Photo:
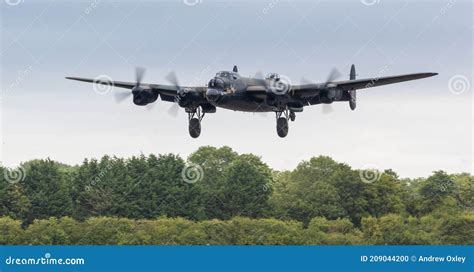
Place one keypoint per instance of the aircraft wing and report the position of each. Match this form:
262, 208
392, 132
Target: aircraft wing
308, 90
167, 92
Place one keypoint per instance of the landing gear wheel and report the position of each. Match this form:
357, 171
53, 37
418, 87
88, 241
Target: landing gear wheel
194, 127
282, 127
292, 116
352, 104
195, 116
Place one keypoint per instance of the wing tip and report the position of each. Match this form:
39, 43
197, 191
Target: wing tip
424, 75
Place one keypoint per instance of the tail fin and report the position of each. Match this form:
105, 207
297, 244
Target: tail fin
352, 93
352, 75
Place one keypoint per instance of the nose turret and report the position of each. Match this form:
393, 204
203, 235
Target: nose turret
217, 83
214, 94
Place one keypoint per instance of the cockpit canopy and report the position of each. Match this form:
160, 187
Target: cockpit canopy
272, 76
227, 74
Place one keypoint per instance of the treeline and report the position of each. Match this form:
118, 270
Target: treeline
388, 229
218, 183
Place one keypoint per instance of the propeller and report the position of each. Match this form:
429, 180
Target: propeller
333, 75
122, 96
327, 108
174, 110
173, 80
139, 73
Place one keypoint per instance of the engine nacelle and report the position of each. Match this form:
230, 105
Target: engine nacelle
189, 98
142, 97
331, 95
208, 108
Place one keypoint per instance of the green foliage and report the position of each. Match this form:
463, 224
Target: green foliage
333, 232
265, 232
310, 191
437, 192
46, 232
11, 232
232, 185
388, 229
45, 187
394, 229
237, 199
459, 229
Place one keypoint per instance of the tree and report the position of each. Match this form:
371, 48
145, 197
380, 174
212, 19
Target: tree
247, 188
310, 191
438, 191
45, 187
321, 231
384, 196
169, 191
458, 229
11, 232
213, 162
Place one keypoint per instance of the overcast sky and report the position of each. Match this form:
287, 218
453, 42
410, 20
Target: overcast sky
414, 127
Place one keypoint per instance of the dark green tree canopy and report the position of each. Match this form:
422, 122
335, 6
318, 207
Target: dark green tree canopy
228, 185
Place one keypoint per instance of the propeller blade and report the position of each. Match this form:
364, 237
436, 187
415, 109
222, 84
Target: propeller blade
333, 75
174, 110
327, 108
173, 79
150, 106
139, 73
121, 96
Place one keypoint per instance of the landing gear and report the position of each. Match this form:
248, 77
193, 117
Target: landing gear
353, 99
195, 116
282, 118
194, 127
282, 127
292, 116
